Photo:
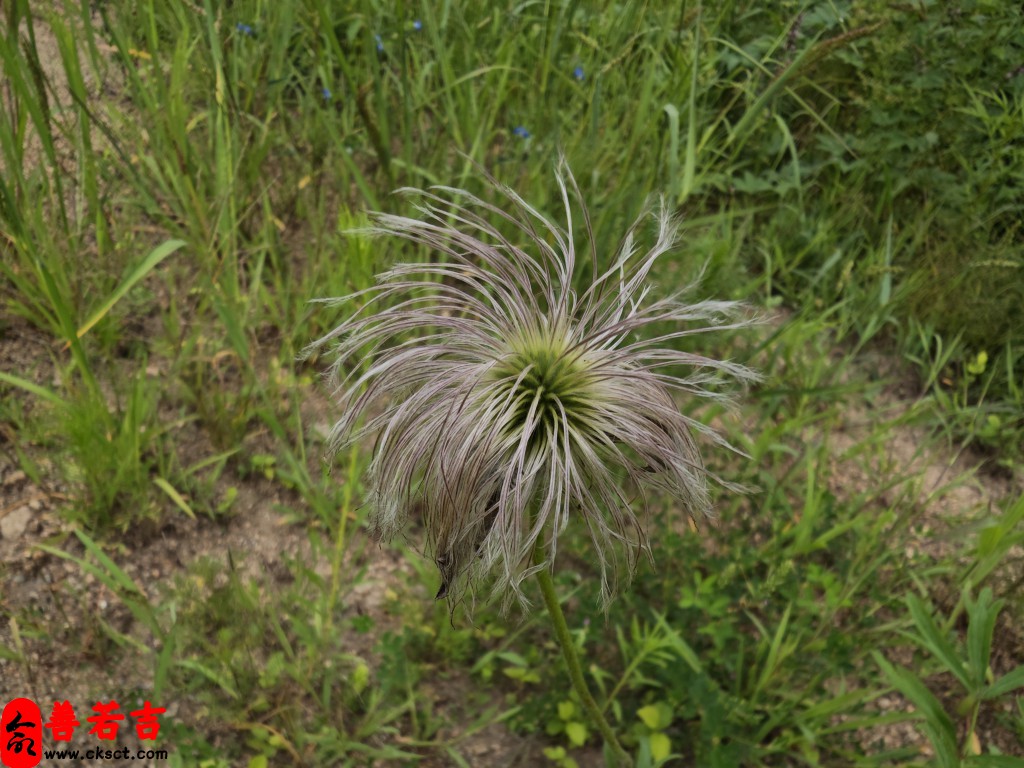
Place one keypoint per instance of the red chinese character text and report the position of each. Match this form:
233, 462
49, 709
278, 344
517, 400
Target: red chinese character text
105, 723
146, 724
62, 722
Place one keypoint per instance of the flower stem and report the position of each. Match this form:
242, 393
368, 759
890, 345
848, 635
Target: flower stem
547, 588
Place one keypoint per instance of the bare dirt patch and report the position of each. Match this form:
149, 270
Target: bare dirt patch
945, 490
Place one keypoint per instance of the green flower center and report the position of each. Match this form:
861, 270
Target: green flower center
545, 371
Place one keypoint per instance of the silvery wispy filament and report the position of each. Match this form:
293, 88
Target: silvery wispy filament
516, 398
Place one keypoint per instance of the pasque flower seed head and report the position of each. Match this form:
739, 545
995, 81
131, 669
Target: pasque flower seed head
517, 398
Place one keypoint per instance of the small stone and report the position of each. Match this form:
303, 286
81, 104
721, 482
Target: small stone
14, 477
13, 524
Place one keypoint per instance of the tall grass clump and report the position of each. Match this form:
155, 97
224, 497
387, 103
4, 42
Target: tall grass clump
518, 404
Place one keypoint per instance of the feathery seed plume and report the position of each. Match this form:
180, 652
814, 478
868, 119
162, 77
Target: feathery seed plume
517, 400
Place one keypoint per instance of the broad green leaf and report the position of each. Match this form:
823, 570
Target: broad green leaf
566, 709
650, 716
657, 716
523, 675
515, 659
661, 746
577, 733
360, 677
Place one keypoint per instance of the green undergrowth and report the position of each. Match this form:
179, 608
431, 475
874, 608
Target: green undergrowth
176, 184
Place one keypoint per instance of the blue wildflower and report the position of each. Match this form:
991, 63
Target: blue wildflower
326, 93
417, 25
521, 132
578, 73
245, 29
380, 43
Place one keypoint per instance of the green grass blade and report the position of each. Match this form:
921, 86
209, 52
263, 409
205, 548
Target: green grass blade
994, 761
110, 574
176, 497
1011, 681
982, 616
221, 681
674, 182
690, 164
147, 265
935, 642
680, 646
995, 541
31, 387
776, 651
938, 725
163, 665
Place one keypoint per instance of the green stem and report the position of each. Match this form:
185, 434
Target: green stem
547, 588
